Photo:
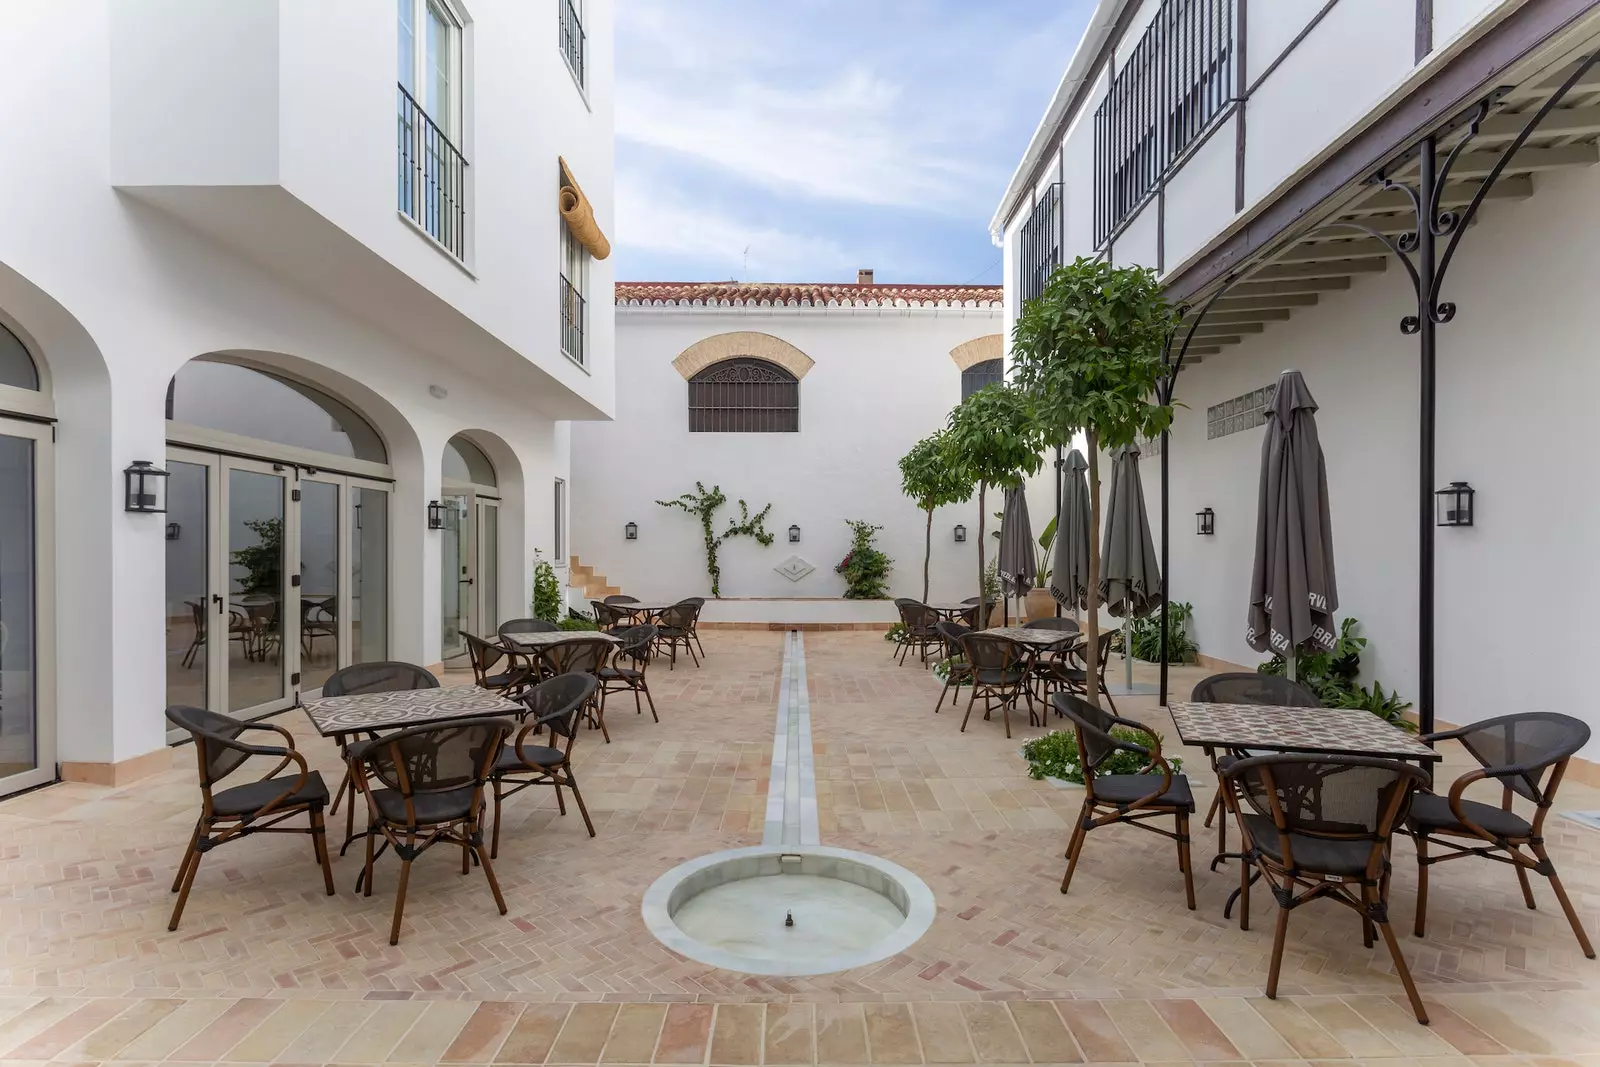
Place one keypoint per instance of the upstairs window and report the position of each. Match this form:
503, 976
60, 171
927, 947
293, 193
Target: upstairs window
570, 37
1039, 244
432, 169
574, 284
744, 395
981, 375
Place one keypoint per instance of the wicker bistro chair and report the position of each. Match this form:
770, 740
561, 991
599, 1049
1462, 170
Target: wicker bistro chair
1528, 755
388, 677
254, 808
620, 598
960, 674
318, 618
1135, 799
528, 626
507, 678
899, 607
699, 603
610, 617
919, 621
998, 673
1065, 671
581, 654
628, 677
424, 786
1242, 687
1045, 668
674, 627
1319, 826
556, 703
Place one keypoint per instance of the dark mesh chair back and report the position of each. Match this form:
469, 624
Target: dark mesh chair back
621, 598
608, 616
528, 626
1066, 626
578, 655
677, 618
635, 643
1344, 799
557, 703
216, 739
917, 616
485, 655
1093, 726
1518, 749
988, 652
389, 677
437, 769
951, 634
1252, 687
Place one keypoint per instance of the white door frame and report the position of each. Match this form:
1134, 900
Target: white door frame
44, 604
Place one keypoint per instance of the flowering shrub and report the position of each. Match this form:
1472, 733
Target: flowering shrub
1055, 755
895, 632
865, 568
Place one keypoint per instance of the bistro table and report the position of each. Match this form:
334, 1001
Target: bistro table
646, 608
535, 642
1037, 639
951, 610
342, 718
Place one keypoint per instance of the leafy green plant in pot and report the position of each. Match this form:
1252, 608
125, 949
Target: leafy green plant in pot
1087, 352
927, 477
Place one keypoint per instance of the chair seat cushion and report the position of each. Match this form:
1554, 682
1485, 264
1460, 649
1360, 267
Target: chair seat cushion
431, 808
1126, 788
991, 676
614, 674
247, 799
1313, 855
501, 681
1432, 813
539, 755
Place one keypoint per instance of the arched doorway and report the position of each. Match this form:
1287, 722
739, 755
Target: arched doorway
27, 624
470, 546
277, 538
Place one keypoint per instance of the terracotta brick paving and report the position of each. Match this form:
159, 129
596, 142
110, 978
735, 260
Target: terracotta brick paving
266, 969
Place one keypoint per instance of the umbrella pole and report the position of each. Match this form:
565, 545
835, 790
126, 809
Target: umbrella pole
1289, 666
1127, 648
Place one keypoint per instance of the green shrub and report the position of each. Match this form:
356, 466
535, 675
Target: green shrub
865, 567
1055, 755
546, 590
1181, 648
895, 632
576, 620
1333, 676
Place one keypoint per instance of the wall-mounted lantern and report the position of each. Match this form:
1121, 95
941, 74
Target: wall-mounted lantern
961, 533
794, 535
631, 531
1205, 522
172, 531
144, 487
435, 515
1453, 505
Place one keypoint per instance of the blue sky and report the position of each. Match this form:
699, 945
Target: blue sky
826, 135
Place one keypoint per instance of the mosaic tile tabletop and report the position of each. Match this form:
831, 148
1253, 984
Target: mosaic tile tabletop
411, 707
1352, 731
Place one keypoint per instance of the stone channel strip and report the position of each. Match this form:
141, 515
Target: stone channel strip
792, 791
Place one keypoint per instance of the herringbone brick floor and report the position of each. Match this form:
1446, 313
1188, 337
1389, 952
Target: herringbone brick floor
267, 969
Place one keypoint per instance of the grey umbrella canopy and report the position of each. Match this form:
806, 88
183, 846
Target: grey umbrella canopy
1069, 570
1292, 591
1130, 576
1016, 565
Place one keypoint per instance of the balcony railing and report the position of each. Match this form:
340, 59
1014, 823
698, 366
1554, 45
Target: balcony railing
433, 178
572, 306
572, 39
1040, 243
1174, 85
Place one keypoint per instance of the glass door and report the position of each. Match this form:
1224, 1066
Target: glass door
323, 644
367, 620
259, 590
488, 566
27, 705
194, 614
456, 577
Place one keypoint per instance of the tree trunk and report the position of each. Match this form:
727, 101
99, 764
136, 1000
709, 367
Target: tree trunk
927, 556
983, 594
1091, 617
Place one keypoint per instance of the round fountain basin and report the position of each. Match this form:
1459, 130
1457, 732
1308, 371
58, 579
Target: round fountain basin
733, 909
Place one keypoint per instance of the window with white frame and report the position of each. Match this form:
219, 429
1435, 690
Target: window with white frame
570, 36
433, 170
561, 521
574, 284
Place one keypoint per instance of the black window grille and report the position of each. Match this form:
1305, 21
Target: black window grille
572, 316
979, 375
744, 395
433, 178
1040, 243
1174, 85
572, 38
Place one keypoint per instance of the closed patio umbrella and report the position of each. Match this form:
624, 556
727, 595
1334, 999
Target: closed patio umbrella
1130, 578
1293, 595
1069, 572
1016, 565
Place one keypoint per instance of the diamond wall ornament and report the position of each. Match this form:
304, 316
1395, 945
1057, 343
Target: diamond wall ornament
794, 568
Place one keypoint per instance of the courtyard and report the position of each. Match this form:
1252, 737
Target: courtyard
267, 969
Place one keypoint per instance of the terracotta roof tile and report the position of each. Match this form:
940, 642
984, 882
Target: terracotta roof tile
804, 294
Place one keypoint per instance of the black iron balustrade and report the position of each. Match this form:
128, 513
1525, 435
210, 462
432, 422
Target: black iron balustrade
433, 177
1040, 243
1173, 86
572, 38
572, 311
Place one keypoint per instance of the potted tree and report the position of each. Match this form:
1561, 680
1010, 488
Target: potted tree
992, 439
928, 477
1087, 352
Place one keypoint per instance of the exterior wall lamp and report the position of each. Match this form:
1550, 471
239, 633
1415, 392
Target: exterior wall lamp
435, 515
144, 487
631, 531
1205, 522
961, 533
794, 535
172, 531
1453, 505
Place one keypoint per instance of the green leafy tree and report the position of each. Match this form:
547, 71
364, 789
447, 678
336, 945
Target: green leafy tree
928, 477
1088, 354
704, 503
865, 567
992, 439
263, 561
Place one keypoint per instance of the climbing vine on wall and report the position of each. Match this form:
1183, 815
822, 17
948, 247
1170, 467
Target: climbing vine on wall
704, 504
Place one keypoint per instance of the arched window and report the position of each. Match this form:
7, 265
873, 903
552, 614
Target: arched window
16, 365
979, 375
253, 403
465, 462
744, 395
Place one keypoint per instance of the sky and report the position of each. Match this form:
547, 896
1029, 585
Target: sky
802, 140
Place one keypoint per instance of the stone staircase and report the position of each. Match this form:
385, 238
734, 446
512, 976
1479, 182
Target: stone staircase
593, 586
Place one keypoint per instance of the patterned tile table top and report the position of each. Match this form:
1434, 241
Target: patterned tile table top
1351, 731
411, 707
545, 640
1022, 635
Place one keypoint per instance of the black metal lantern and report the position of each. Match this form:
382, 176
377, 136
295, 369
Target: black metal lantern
172, 531
144, 487
961, 533
631, 531
435, 515
1453, 505
1205, 522
794, 535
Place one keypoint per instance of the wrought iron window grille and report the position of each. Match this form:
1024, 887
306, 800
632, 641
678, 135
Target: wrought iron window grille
432, 177
744, 395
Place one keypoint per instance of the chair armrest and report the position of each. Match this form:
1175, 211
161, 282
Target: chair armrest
1446, 735
298, 784
1456, 808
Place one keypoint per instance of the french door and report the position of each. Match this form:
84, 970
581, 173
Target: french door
27, 619
277, 575
469, 570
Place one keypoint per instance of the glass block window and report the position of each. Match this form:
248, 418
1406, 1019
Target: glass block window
1241, 413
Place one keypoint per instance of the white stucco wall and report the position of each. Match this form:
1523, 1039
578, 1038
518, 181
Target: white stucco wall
882, 380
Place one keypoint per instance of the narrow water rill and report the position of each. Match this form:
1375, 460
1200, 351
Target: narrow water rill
789, 906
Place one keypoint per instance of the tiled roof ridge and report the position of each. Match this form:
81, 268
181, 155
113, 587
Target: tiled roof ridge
805, 294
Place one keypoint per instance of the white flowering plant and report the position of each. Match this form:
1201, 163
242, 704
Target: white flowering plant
1055, 755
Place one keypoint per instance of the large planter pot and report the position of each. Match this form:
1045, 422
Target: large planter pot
1040, 604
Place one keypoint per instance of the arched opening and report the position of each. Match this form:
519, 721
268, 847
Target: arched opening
17, 368
982, 375
278, 536
469, 545
744, 395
